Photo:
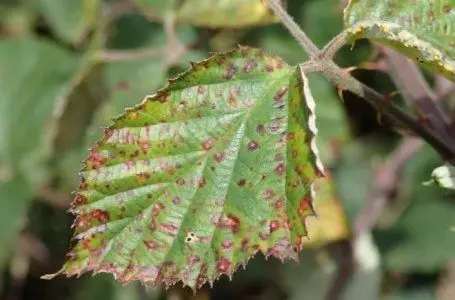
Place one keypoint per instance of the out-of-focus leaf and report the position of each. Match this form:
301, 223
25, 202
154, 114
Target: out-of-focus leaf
16, 21
422, 239
422, 30
211, 13
202, 175
221, 13
15, 194
413, 294
445, 177
34, 75
70, 19
331, 119
313, 277
156, 8
330, 225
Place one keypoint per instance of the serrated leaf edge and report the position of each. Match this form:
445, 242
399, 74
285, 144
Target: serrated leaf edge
311, 105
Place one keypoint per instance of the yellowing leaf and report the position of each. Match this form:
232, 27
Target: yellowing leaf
422, 30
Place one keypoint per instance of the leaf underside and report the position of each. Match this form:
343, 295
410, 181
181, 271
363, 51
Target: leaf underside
422, 30
210, 170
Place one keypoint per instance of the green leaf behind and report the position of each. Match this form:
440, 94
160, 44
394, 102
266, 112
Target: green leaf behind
422, 30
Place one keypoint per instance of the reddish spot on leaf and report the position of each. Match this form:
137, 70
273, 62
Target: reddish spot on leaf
252, 146
208, 144
274, 225
269, 68
268, 193
100, 215
227, 245
180, 181
202, 182
304, 205
230, 72
260, 129
241, 182
219, 157
280, 169
79, 200
151, 245
157, 208
176, 200
232, 222
223, 266
95, 160
245, 242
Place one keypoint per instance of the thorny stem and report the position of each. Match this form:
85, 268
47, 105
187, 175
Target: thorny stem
345, 81
307, 44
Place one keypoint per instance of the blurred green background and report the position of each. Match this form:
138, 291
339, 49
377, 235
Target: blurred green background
68, 66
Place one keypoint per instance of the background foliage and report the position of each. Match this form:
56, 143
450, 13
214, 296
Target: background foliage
62, 77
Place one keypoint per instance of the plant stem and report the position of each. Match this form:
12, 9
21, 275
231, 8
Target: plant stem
332, 47
307, 44
346, 82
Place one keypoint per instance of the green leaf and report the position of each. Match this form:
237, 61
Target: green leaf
422, 30
26, 113
201, 176
412, 245
445, 177
16, 194
71, 20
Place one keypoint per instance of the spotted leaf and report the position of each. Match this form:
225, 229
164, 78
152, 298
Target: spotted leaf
210, 170
423, 30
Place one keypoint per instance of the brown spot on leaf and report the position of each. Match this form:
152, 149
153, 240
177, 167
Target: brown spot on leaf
279, 95
180, 181
157, 208
232, 69
219, 157
202, 182
244, 246
95, 160
252, 146
269, 68
100, 215
280, 169
163, 97
249, 66
304, 205
241, 182
223, 265
176, 200
79, 200
274, 225
268, 194
227, 245
151, 245
232, 222
208, 144
260, 129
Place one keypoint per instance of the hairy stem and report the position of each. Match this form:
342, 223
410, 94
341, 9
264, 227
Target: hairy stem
307, 44
332, 47
346, 82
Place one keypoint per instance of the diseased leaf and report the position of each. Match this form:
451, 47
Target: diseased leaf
191, 183
422, 30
